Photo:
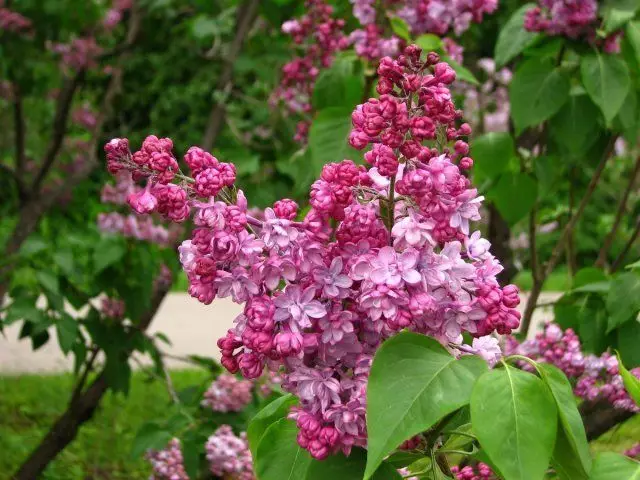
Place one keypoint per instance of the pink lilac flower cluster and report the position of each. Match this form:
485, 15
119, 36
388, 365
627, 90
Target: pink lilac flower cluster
596, 378
487, 106
481, 471
112, 308
168, 464
633, 452
228, 455
79, 54
132, 226
84, 117
320, 36
228, 394
381, 249
575, 19
13, 22
114, 15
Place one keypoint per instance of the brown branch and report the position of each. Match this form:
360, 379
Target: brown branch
620, 258
88, 367
20, 129
600, 417
60, 119
560, 245
622, 208
499, 234
246, 16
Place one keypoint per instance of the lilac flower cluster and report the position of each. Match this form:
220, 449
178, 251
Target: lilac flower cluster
84, 117
575, 19
320, 36
114, 15
596, 378
481, 471
132, 226
227, 394
633, 452
487, 106
13, 22
112, 308
380, 250
228, 455
168, 464
79, 54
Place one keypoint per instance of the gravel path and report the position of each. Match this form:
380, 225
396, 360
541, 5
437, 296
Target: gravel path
192, 327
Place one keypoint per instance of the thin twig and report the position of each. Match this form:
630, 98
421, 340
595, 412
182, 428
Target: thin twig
88, 366
20, 129
620, 258
622, 208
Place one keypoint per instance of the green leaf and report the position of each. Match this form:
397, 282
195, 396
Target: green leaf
548, 172
339, 467
32, 245
462, 73
606, 79
588, 275
513, 37
623, 301
429, 42
192, 446
24, 309
48, 281
109, 250
491, 152
628, 116
613, 466
515, 419
150, 436
537, 92
414, 382
67, 330
274, 411
631, 382
400, 28
510, 187
575, 126
340, 85
633, 35
204, 27
279, 457
627, 341
618, 12
571, 456
329, 137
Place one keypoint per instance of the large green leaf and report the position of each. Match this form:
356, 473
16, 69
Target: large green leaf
270, 414
515, 195
491, 152
339, 467
613, 466
571, 456
631, 382
149, 436
537, 92
627, 341
108, 251
329, 137
279, 457
606, 79
67, 330
414, 382
623, 301
515, 419
513, 37
341, 85
575, 126
618, 12
633, 34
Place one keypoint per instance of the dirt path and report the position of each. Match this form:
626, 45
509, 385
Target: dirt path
192, 327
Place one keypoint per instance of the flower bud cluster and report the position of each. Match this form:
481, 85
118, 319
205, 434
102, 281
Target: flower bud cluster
575, 19
633, 452
320, 36
381, 249
228, 394
168, 464
14, 22
228, 455
481, 471
112, 308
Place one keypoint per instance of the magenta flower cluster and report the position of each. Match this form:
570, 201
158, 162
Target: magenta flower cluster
594, 377
168, 464
320, 36
114, 15
79, 54
13, 22
112, 308
575, 19
84, 117
481, 471
381, 249
633, 452
228, 394
228, 455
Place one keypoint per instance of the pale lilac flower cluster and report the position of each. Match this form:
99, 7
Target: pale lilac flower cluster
596, 378
114, 15
80, 54
379, 251
481, 471
168, 464
228, 455
320, 36
228, 394
13, 22
575, 19
441, 16
370, 44
112, 308
487, 106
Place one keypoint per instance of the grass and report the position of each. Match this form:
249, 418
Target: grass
29, 404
